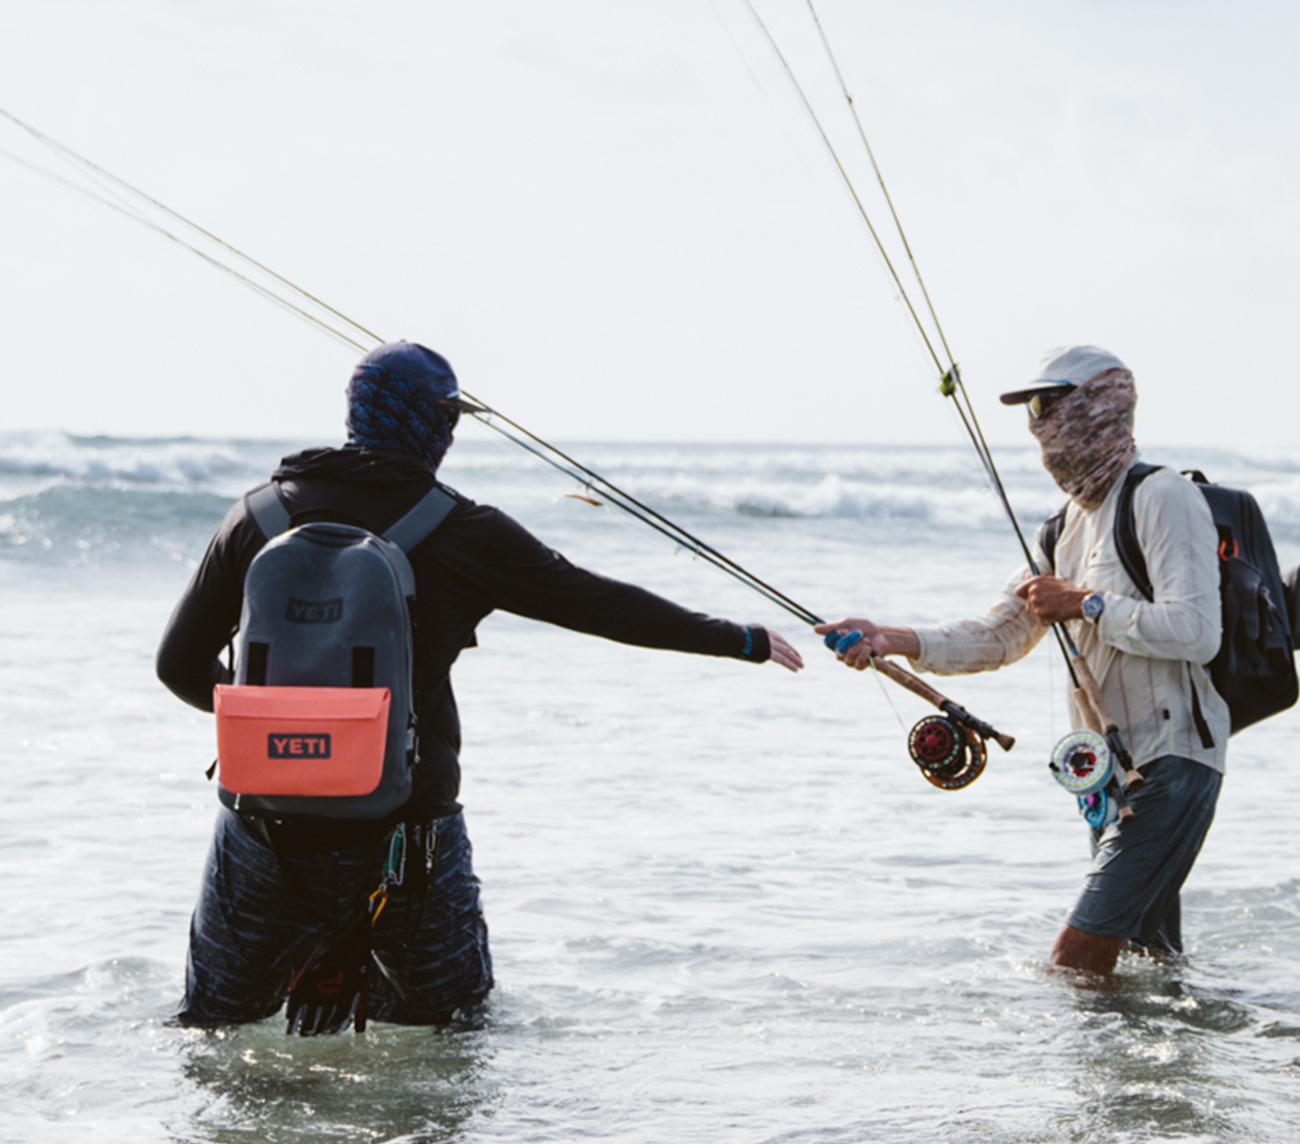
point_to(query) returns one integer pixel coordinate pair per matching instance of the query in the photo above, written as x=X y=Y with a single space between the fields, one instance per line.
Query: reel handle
x=982 y=729
x=919 y=687
x=839 y=644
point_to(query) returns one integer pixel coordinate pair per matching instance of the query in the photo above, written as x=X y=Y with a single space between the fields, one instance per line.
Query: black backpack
x=321 y=717
x=1254 y=669
x=1290 y=592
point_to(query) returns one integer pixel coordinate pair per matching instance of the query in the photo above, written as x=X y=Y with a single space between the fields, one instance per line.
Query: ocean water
x=724 y=905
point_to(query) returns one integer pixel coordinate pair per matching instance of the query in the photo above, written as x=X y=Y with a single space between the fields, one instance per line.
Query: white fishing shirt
x=1146 y=657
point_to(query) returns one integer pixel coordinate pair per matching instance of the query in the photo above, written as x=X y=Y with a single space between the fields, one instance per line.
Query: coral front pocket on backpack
x=313 y=742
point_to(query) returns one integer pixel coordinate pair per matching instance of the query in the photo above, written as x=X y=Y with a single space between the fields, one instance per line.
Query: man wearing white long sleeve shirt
x=1146 y=656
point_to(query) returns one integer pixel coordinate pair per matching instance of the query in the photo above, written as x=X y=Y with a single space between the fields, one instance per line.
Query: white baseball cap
x=1064 y=368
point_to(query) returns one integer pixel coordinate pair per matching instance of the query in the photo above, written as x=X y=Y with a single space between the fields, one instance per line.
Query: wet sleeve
x=522 y=575
x=205 y=618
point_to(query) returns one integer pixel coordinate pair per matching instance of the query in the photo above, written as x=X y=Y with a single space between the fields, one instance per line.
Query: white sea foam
x=179 y=461
x=86 y=498
x=724 y=906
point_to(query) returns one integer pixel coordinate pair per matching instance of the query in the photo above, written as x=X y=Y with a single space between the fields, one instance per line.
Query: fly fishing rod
x=950 y=749
x=1101 y=763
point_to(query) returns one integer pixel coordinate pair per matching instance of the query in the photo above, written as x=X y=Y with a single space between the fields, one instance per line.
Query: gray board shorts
x=1138 y=869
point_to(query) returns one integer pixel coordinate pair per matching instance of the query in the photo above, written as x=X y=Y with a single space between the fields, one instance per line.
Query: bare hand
x=1050 y=600
x=876 y=640
x=783 y=652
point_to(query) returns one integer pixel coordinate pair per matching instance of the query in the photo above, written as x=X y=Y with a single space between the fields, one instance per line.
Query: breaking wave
x=72 y=500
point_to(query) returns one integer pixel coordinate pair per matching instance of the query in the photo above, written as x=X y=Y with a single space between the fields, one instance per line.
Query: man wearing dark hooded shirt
x=277 y=891
x=1146 y=656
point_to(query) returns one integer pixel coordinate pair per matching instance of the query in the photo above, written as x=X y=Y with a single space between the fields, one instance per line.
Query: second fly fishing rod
x=1101 y=763
x=949 y=748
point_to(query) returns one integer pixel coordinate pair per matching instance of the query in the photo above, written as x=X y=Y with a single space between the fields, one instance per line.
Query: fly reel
x=950 y=756
x=1099 y=809
x=1081 y=762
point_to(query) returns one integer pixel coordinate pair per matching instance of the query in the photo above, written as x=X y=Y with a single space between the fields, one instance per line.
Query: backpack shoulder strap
x=1130 y=555
x=267 y=510
x=427 y=513
x=1126 y=541
x=1291 y=594
x=1050 y=533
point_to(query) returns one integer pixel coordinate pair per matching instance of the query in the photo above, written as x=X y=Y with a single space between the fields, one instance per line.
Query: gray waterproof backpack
x=320 y=719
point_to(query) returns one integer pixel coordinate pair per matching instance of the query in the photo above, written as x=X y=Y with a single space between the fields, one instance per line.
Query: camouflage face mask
x=1087 y=437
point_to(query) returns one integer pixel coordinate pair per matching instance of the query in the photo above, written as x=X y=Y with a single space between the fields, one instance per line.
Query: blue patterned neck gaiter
x=387 y=412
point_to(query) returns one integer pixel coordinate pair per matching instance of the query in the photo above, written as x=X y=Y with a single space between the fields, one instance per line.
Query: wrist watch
x=1092 y=606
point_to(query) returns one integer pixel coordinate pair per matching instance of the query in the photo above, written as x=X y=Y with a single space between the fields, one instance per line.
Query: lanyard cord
x=338 y=325
x=950 y=384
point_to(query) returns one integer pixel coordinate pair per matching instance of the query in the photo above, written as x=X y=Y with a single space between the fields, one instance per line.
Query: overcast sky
x=615 y=219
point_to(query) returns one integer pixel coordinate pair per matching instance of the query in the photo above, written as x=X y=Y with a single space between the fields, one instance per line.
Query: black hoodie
x=478 y=560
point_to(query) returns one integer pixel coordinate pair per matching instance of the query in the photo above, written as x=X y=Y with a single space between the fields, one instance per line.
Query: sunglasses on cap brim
x=1042 y=401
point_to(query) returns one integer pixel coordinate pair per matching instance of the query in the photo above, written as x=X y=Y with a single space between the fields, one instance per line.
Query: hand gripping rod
x=904 y=678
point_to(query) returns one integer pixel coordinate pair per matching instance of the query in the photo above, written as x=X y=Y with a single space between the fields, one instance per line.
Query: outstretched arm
x=876 y=640
x=783 y=652
x=524 y=576
x=1002 y=635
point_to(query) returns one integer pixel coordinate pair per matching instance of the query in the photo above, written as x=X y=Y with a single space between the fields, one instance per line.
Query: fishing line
x=97 y=171
x=950 y=383
x=862 y=134
x=933 y=741
x=631 y=506
x=956 y=769
x=492 y=418
x=114 y=204
x=543 y=450
x=848 y=182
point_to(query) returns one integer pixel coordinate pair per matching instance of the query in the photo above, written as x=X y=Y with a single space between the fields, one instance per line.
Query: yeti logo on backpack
x=288 y=746
x=307 y=612
x=321 y=718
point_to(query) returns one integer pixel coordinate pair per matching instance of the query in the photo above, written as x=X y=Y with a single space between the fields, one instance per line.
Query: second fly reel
x=950 y=756
x=1081 y=763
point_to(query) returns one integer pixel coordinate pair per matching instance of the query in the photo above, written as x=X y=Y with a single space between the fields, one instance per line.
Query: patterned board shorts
x=1138 y=869
x=256 y=922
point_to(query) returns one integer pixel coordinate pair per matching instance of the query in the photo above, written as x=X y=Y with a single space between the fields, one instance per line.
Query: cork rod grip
x=1096 y=707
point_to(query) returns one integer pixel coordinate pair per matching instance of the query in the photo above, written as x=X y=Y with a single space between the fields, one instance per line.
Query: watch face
x=1092 y=606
